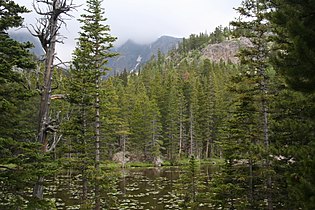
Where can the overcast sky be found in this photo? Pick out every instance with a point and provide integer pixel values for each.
(146, 20)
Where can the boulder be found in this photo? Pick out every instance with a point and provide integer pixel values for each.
(119, 157)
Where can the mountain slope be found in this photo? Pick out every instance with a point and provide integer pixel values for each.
(132, 55)
(24, 36)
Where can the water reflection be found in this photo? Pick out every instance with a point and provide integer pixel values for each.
(136, 188)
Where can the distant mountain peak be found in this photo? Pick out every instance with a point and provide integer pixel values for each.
(131, 52)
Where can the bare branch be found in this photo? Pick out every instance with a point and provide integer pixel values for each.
(56, 140)
(58, 96)
(55, 8)
(61, 62)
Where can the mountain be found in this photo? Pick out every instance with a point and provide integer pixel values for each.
(24, 36)
(132, 55)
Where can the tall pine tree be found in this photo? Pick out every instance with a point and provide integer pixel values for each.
(90, 58)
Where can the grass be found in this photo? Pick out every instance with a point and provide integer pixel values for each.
(114, 165)
(213, 161)
(140, 164)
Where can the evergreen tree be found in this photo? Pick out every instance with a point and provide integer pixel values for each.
(19, 157)
(294, 59)
(295, 36)
(173, 112)
(190, 185)
(293, 137)
(111, 119)
(90, 58)
(247, 151)
(206, 106)
(15, 60)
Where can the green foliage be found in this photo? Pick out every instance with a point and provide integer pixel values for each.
(294, 34)
(178, 106)
(90, 56)
(10, 15)
(246, 174)
(190, 185)
(294, 143)
(87, 102)
(294, 122)
(20, 167)
(15, 61)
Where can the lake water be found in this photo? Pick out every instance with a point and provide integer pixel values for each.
(136, 188)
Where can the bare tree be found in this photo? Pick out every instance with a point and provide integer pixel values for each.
(47, 31)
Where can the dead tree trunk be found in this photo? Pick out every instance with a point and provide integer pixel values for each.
(47, 32)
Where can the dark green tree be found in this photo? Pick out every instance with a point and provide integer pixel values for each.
(247, 149)
(295, 35)
(294, 59)
(15, 60)
(189, 187)
(19, 157)
(89, 65)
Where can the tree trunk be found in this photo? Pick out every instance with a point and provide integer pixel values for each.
(266, 142)
(44, 120)
(191, 133)
(207, 149)
(124, 151)
(97, 132)
(39, 188)
(84, 187)
(180, 136)
(251, 198)
(264, 90)
(97, 142)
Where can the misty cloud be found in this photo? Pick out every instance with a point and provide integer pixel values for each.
(145, 20)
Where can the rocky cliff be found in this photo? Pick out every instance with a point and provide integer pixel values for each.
(225, 51)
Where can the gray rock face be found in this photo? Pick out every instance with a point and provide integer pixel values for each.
(225, 51)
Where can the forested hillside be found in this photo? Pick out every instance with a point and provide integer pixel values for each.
(254, 114)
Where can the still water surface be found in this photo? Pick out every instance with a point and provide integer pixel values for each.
(136, 188)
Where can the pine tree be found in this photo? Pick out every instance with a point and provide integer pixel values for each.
(189, 185)
(19, 155)
(111, 117)
(206, 110)
(15, 60)
(247, 148)
(293, 137)
(294, 59)
(90, 58)
(172, 119)
(294, 29)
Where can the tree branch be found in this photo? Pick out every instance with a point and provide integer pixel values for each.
(55, 142)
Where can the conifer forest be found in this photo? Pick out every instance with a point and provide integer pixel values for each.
(181, 132)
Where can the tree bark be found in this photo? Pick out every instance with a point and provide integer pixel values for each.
(180, 133)
(191, 133)
(207, 149)
(124, 150)
(44, 121)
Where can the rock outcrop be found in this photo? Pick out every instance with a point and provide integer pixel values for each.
(225, 51)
